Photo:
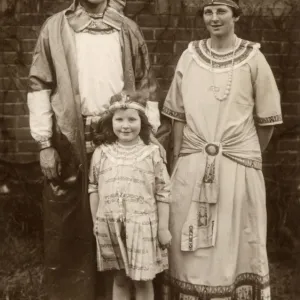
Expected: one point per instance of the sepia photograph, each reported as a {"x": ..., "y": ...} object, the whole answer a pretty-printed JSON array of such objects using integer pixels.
[{"x": 149, "y": 150}]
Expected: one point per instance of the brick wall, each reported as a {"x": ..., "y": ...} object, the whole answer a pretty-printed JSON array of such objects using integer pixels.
[
  {"x": 167, "y": 36},
  {"x": 167, "y": 31}
]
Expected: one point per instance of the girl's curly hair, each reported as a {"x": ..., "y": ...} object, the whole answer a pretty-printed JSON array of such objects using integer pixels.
[{"x": 103, "y": 130}]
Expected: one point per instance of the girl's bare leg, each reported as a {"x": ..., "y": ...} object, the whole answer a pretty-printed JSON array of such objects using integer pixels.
[
  {"x": 121, "y": 287},
  {"x": 109, "y": 283},
  {"x": 144, "y": 290}
]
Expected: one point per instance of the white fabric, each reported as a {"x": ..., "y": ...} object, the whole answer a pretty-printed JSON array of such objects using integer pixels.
[
  {"x": 236, "y": 264},
  {"x": 152, "y": 112},
  {"x": 100, "y": 76},
  {"x": 100, "y": 70},
  {"x": 245, "y": 49},
  {"x": 40, "y": 115}
]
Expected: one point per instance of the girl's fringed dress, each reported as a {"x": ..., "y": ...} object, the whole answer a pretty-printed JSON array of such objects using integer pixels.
[{"x": 129, "y": 180}]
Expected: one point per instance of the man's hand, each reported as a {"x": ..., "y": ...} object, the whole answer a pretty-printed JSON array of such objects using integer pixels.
[{"x": 50, "y": 163}]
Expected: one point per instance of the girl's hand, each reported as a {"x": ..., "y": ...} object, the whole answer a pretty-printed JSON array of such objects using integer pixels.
[{"x": 164, "y": 238}]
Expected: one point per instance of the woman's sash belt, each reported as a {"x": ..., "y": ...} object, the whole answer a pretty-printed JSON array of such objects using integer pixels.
[{"x": 199, "y": 229}]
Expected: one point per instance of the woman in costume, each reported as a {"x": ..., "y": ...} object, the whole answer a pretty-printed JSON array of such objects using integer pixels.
[{"x": 224, "y": 104}]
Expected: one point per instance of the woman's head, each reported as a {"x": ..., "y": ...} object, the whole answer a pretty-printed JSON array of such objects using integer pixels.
[
  {"x": 125, "y": 121},
  {"x": 232, "y": 4},
  {"x": 220, "y": 16}
]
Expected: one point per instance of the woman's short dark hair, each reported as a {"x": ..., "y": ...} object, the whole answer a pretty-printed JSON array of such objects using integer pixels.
[
  {"x": 236, "y": 12},
  {"x": 103, "y": 130}
]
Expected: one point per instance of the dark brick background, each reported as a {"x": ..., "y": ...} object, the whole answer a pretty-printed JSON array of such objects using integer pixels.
[
  {"x": 167, "y": 31},
  {"x": 167, "y": 35}
]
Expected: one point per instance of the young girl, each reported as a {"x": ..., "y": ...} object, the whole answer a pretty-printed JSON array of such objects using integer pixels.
[{"x": 129, "y": 198}]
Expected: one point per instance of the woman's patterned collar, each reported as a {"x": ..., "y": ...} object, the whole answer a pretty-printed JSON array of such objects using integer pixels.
[{"x": 222, "y": 62}]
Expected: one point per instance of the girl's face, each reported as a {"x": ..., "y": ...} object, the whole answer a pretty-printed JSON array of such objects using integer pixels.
[
  {"x": 219, "y": 20},
  {"x": 126, "y": 125}
]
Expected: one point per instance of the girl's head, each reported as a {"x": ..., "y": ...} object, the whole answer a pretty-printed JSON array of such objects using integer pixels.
[
  {"x": 220, "y": 16},
  {"x": 125, "y": 121}
]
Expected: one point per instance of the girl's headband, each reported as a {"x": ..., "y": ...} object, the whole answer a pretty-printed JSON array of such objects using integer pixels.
[
  {"x": 124, "y": 101},
  {"x": 221, "y": 2}
]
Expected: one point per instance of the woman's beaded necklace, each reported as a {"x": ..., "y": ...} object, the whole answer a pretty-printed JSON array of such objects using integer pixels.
[{"x": 230, "y": 74}]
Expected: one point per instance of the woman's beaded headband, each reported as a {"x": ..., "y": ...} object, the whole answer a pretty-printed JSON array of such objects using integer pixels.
[{"x": 221, "y": 2}]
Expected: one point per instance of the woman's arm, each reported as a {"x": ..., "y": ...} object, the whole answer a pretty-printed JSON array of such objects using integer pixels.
[
  {"x": 264, "y": 136},
  {"x": 177, "y": 141}
]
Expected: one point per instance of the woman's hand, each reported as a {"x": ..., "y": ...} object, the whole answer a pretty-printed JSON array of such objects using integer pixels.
[{"x": 164, "y": 238}]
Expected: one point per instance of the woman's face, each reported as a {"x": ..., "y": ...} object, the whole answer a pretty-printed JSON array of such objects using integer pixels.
[
  {"x": 219, "y": 20},
  {"x": 126, "y": 125}
]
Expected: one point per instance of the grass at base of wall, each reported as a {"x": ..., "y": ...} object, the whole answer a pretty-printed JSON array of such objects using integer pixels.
[
  {"x": 21, "y": 268},
  {"x": 21, "y": 271}
]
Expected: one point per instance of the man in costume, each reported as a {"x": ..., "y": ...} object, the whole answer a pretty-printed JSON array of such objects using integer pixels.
[{"x": 83, "y": 56}]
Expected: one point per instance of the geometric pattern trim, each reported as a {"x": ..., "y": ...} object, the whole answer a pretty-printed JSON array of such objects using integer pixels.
[{"x": 247, "y": 286}]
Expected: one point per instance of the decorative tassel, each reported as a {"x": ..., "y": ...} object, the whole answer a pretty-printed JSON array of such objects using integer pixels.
[{"x": 209, "y": 175}]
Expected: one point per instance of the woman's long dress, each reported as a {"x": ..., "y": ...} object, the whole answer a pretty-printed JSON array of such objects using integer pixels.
[{"x": 218, "y": 211}]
